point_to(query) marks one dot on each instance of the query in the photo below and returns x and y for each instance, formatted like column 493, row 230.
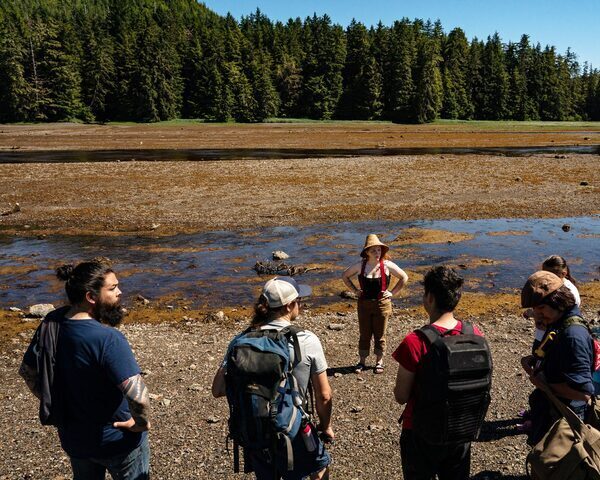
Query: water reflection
column 78, row 156
column 215, row 269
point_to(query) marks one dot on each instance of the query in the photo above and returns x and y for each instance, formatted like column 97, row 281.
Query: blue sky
column 560, row 23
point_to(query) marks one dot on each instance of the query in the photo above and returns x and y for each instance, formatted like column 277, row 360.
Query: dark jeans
column 305, row 463
column 422, row 461
column 543, row 414
column 134, row 465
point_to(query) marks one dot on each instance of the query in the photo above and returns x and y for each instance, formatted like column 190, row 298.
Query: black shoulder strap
column 291, row 332
column 249, row 329
column 467, row 328
column 430, row 333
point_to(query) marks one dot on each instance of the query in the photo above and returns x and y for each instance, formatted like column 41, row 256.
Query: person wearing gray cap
column 564, row 360
column 277, row 309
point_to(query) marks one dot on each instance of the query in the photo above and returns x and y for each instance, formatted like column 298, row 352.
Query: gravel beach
column 189, row 426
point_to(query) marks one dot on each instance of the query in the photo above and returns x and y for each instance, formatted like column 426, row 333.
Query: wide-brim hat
column 372, row 241
column 539, row 286
column 280, row 291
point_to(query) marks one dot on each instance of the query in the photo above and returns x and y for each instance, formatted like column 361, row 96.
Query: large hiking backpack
column 452, row 386
column 265, row 405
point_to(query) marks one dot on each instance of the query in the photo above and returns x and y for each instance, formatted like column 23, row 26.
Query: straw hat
column 372, row 241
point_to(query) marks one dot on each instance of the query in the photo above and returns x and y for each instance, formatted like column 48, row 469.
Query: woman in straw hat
column 374, row 274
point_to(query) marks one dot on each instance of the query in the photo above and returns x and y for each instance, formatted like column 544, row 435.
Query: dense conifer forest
column 151, row 60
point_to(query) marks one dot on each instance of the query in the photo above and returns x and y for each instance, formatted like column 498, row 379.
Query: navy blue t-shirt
column 92, row 359
column 571, row 359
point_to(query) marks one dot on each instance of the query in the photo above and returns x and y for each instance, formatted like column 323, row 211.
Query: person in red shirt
column 420, row 460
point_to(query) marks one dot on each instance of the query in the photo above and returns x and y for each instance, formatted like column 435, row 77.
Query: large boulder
column 280, row 255
column 40, row 310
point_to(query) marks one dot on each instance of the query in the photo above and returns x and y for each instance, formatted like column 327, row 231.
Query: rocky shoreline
column 188, row 436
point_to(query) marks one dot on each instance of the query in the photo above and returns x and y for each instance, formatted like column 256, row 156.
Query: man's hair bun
column 64, row 272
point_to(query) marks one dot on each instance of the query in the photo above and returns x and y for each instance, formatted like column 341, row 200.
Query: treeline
column 150, row 60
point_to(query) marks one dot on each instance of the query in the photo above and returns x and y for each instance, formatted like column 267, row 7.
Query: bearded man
column 89, row 384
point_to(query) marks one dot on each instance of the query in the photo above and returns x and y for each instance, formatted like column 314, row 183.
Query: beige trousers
column 373, row 316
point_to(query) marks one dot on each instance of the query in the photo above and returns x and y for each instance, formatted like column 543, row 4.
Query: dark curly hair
column 561, row 299
column 444, row 284
column 83, row 278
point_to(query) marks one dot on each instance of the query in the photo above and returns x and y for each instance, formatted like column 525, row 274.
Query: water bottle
column 309, row 439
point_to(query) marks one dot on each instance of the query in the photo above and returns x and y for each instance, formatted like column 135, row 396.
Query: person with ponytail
column 277, row 307
column 88, row 381
column 558, row 266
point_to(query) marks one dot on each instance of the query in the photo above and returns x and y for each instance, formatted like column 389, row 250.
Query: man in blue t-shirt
column 89, row 384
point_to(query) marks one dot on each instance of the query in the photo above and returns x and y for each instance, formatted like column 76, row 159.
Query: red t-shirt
column 409, row 354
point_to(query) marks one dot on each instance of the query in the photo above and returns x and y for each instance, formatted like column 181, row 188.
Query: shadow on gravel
column 490, row 475
column 499, row 429
column 342, row 370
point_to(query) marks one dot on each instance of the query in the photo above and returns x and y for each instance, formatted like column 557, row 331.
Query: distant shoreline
column 303, row 135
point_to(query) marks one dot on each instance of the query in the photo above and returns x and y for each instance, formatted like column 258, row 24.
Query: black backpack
column 44, row 344
column 452, row 386
column 266, row 407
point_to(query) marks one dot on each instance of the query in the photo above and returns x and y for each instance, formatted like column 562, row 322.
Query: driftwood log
column 280, row 268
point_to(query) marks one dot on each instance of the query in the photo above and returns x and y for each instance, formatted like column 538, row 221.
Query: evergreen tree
column 568, row 69
column 156, row 85
column 326, row 51
column 428, row 101
column 259, row 31
column 519, row 60
column 59, row 81
column 475, row 79
column 550, row 91
column 400, row 92
column 97, row 64
column 194, row 79
column 244, row 104
column 595, row 110
column 123, row 27
column 289, row 85
column 456, row 98
column 591, row 99
column 380, row 37
column 362, row 80
column 15, row 92
column 288, row 56
column 210, row 96
column 265, row 95
column 149, row 60
column 495, row 85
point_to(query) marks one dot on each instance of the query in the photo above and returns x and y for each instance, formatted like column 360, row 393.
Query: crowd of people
column 274, row 373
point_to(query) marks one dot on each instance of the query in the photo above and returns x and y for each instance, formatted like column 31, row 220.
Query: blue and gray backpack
column 266, row 407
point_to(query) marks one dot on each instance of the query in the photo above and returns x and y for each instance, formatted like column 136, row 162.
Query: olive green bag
column 569, row 451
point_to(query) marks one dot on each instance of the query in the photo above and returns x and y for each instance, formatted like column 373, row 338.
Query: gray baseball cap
column 280, row 291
